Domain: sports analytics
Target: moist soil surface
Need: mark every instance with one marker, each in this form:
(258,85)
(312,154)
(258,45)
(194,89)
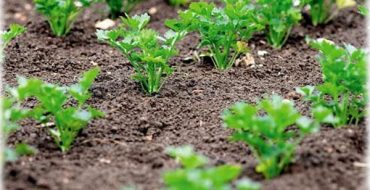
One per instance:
(126,147)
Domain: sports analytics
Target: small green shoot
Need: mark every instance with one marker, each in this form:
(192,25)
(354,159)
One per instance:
(24,149)
(178,3)
(247,184)
(12,113)
(363,10)
(343,92)
(118,7)
(115,7)
(265,129)
(322,11)
(12,154)
(61,14)
(279,17)
(14,31)
(223,31)
(147,51)
(54,106)
(196,176)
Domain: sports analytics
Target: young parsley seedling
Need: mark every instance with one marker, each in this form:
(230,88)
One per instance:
(224,31)
(363,10)
(264,128)
(196,176)
(279,17)
(147,51)
(54,106)
(14,31)
(117,7)
(12,113)
(322,11)
(61,14)
(343,92)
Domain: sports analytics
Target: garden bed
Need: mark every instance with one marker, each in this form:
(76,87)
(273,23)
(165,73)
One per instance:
(127,145)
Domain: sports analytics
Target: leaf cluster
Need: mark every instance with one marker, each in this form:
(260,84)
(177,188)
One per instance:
(147,51)
(279,17)
(322,11)
(265,129)
(343,91)
(223,31)
(363,10)
(61,14)
(196,176)
(14,31)
(12,113)
(117,7)
(64,106)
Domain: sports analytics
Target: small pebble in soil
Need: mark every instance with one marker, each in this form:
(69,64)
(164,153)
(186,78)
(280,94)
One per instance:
(28,6)
(94,63)
(104,161)
(105,24)
(153,10)
(262,53)
(20,17)
(65,180)
(149,137)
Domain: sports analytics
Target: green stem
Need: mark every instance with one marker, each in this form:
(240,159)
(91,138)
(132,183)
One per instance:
(278,39)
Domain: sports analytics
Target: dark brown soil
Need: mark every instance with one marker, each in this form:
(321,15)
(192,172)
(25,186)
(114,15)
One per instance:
(127,146)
